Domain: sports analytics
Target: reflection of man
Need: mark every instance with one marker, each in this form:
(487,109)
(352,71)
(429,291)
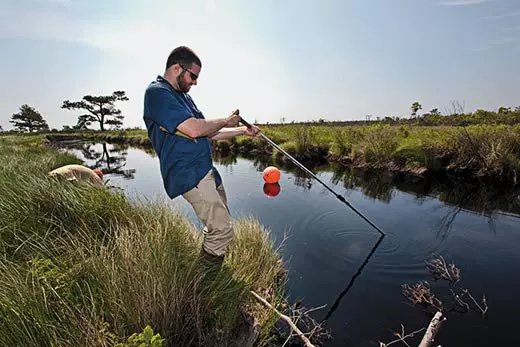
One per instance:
(181,137)
(75,172)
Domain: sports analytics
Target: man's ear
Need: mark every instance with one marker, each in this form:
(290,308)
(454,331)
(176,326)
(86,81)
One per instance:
(177,68)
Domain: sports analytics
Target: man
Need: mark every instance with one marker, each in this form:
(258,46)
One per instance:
(78,173)
(181,137)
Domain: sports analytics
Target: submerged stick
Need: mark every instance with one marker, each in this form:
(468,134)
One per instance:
(433,327)
(285,318)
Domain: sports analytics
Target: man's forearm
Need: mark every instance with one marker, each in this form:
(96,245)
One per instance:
(227,133)
(202,127)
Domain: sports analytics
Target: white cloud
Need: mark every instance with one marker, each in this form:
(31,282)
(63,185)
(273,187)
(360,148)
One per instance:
(462,2)
(492,44)
(504,15)
(238,71)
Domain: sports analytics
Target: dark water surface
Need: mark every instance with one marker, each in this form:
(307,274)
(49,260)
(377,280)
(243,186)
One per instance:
(476,228)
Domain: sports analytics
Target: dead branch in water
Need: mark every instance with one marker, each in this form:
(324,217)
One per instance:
(402,336)
(427,338)
(458,298)
(432,330)
(420,293)
(440,269)
(289,321)
(484,302)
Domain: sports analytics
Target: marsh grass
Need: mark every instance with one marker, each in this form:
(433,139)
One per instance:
(81,266)
(489,150)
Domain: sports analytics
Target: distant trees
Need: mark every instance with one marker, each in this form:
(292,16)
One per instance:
(28,119)
(415,107)
(435,112)
(101,110)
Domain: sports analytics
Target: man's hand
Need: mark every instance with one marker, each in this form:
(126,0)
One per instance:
(233,120)
(254,131)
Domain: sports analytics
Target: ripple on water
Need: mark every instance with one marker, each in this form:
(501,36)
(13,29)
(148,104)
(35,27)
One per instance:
(400,256)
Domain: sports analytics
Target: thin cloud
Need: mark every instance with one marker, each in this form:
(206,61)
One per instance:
(495,43)
(462,2)
(504,15)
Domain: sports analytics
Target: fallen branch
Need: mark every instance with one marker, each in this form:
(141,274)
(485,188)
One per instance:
(401,337)
(433,327)
(285,318)
(420,293)
(484,302)
(459,300)
(440,269)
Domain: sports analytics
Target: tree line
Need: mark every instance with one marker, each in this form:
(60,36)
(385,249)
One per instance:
(99,109)
(452,115)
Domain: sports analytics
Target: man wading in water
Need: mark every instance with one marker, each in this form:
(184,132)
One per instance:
(181,137)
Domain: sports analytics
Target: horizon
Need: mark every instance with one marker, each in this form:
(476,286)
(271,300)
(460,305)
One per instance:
(294,60)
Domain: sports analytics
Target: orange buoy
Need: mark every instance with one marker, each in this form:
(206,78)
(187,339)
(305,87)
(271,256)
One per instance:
(271,175)
(271,189)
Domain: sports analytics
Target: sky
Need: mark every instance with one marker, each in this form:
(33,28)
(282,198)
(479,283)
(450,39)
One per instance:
(272,59)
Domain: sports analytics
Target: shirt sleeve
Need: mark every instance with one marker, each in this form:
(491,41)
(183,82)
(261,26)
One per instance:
(164,109)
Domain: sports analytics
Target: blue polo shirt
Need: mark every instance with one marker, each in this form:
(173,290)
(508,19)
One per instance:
(184,162)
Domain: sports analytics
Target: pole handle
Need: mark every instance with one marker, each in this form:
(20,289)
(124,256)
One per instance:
(245,123)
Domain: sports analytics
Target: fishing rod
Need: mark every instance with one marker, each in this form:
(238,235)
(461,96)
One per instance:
(297,163)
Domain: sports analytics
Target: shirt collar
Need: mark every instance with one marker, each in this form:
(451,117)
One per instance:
(161,79)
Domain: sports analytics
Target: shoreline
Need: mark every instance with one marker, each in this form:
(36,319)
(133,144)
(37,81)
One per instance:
(440,165)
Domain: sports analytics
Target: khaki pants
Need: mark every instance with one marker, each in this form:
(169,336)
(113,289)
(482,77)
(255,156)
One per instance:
(210,205)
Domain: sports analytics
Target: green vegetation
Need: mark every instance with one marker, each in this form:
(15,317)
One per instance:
(81,266)
(486,150)
(100,110)
(28,119)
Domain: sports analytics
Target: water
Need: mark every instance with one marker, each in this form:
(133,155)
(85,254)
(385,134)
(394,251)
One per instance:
(476,228)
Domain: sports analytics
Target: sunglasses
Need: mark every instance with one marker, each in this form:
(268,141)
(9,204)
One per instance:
(192,75)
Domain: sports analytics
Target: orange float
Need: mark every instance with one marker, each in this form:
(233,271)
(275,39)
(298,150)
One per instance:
(271,175)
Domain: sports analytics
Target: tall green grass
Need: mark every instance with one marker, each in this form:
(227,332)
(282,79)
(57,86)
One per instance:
(487,149)
(81,266)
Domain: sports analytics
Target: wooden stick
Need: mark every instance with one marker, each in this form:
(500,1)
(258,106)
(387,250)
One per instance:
(430,333)
(285,318)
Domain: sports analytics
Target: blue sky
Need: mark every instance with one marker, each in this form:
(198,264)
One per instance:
(301,60)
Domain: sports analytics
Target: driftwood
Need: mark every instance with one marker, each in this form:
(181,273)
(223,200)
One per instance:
(289,321)
(433,327)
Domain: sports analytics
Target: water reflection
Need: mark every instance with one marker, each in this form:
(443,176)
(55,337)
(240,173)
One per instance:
(272,189)
(469,196)
(379,186)
(382,186)
(341,295)
(110,158)
(225,160)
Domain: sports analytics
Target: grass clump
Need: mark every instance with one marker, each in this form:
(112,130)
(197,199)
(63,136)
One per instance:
(81,266)
(489,150)
(380,144)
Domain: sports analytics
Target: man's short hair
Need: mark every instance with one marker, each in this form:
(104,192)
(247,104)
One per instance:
(184,56)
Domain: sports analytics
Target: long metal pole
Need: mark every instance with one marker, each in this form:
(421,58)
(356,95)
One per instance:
(297,163)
